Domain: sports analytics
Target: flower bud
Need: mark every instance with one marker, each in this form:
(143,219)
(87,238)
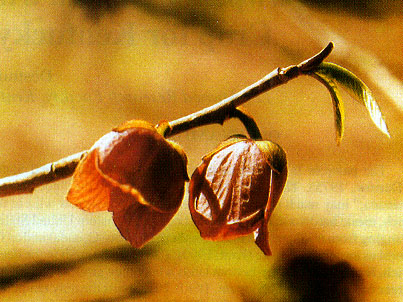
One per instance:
(235,189)
(137,174)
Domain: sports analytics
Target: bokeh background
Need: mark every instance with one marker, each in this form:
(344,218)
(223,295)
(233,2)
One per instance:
(70,70)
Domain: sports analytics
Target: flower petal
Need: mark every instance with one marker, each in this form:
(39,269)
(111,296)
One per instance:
(277,183)
(138,223)
(142,159)
(89,190)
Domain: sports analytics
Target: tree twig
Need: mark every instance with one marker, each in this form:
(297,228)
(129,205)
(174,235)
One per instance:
(217,113)
(28,181)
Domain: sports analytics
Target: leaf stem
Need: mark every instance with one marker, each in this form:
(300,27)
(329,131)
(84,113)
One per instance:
(217,113)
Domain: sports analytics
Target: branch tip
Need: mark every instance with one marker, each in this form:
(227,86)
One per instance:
(307,65)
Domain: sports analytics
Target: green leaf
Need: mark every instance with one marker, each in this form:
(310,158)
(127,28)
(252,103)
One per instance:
(338,105)
(356,88)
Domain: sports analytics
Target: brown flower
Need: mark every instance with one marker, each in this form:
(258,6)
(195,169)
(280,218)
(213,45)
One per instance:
(137,174)
(235,189)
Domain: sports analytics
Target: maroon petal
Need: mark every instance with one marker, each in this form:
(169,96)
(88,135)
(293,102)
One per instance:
(276,188)
(138,223)
(143,159)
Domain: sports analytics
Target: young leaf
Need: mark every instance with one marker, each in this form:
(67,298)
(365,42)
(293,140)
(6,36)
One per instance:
(338,105)
(356,88)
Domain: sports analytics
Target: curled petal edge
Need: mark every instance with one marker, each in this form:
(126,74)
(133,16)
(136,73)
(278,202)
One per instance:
(277,183)
(89,191)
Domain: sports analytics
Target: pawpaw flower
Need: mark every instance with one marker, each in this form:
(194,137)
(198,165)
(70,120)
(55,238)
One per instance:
(234,190)
(135,173)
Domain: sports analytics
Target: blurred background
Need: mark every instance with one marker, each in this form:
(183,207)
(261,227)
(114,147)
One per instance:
(70,70)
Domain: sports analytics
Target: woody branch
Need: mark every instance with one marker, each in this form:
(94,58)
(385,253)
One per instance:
(217,113)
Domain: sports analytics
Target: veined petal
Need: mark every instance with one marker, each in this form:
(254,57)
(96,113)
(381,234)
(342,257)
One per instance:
(89,190)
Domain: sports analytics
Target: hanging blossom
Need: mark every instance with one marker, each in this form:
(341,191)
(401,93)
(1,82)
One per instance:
(135,173)
(235,189)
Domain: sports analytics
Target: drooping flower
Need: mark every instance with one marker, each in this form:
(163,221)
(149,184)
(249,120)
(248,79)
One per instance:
(135,173)
(235,189)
